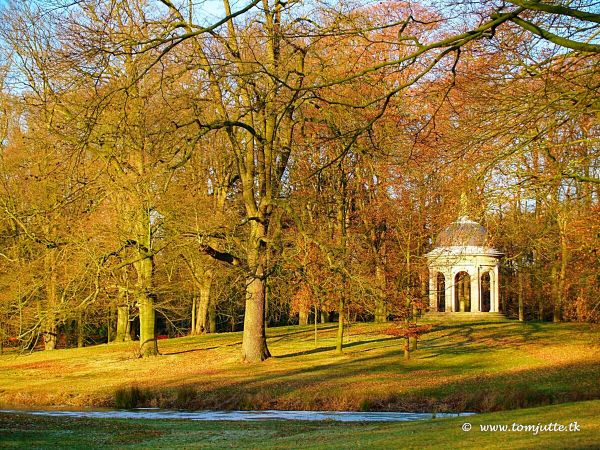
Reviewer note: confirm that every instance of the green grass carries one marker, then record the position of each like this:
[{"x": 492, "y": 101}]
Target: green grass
[
  {"x": 22, "y": 431},
  {"x": 477, "y": 366}
]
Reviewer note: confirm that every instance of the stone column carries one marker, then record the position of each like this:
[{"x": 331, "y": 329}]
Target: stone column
[
  {"x": 447, "y": 291},
  {"x": 452, "y": 288},
  {"x": 495, "y": 290},
  {"x": 475, "y": 289},
  {"x": 432, "y": 289},
  {"x": 492, "y": 289}
]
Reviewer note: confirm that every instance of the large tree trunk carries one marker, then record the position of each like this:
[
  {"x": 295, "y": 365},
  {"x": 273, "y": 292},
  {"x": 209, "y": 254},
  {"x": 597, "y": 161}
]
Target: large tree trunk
[
  {"x": 380, "y": 306},
  {"x": 341, "y": 216},
  {"x": 339, "y": 346},
  {"x": 555, "y": 295},
  {"x": 254, "y": 340},
  {"x": 1, "y": 335},
  {"x": 520, "y": 296},
  {"x": 324, "y": 316},
  {"x": 50, "y": 333},
  {"x": 303, "y": 315},
  {"x": 559, "y": 274},
  {"x": 201, "y": 324},
  {"x": 50, "y": 328},
  {"x": 212, "y": 317},
  {"x": 148, "y": 345},
  {"x": 80, "y": 329},
  {"x": 562, "y": 275},
  {"x": 123, "y": 325},
  {"x": 194, "y": 308},
  {"x": 379, "y": 248}
]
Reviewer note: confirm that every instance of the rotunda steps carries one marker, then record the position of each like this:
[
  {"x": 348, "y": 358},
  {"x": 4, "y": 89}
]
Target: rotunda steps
[{"x": 467, "y": 316}]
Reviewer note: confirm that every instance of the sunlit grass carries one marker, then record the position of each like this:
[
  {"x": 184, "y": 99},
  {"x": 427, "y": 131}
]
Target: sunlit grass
[{"x": 481, "y": 366}]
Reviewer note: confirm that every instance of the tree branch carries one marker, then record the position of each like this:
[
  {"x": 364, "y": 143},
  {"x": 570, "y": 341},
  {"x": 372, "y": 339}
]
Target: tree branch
[
  {"x": 554, "y": 38},
  {"x": 557, "y": 10}
]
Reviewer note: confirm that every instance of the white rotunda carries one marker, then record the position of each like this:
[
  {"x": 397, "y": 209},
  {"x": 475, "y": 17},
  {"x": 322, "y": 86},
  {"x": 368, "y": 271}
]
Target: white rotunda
[{"x": 463, "y": 271}]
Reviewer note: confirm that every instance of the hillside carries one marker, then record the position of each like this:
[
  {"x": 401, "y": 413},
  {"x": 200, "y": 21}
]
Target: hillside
[{"x": 476, "y": 366}]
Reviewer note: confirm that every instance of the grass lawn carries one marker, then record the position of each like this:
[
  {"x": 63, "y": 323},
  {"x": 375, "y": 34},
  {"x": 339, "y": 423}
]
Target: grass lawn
[
  {"x": 21, "y": 431},
  {"x": 477, "y": 366}
]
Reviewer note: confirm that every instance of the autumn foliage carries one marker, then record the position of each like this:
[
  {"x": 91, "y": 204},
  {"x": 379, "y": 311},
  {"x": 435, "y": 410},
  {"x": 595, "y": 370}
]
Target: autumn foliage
[{"x": 162, "y": 177}]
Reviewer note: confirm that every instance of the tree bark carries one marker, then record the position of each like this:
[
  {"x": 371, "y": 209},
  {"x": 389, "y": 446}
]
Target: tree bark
[
  {"x": 80, "y": 329},
  {"x": 123, "y": 325},
  {"x": 380, "y": 306},
  {"x": 303, "y": 316},
  {"x": 342, "y": 240},
  {"x": 520, "y": 297},
  {"x": 212, "y": 317},
  {"x": 412, "y": 343},
  {"x": 2, "y": 333},
  {"x": 50, "y": 328},
  {"x": 555, "y": 295},
  {"x": 194, "y": 308},
  {"x": 339, "y": 347},
  {"x": 201, "y": 324},
  {"x": 324, "y": 316},
  {"x": 148, "y": 344},
  {"x": 562, "y": 275},
  {"x": 254, "y": 340},
  {"x": 559, "y": 271}
]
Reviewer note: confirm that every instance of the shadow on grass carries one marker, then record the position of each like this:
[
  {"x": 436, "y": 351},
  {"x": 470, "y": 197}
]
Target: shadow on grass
[
  {"x": 484, "y": 393},
  {"x": 369, "y": 381},
  {"x": 275, "y": 335},
  {"x": 466, "y": 366},
  {"x": 332, "y": 347},
  {"x": 192, "y": 350},
  {"x": 470, "y": 338},
  {"x": 327, "y": 387}
]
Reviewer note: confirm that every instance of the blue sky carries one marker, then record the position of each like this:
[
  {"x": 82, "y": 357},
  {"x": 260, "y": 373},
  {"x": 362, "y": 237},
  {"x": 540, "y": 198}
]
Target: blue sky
[{"x": 206, "y": 11}]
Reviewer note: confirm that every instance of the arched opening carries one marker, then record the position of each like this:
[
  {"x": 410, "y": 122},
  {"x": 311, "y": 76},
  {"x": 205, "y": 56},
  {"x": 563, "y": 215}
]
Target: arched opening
[
  {"x": 462, "y": 293},
  {"x": 441, "y": 292},
  {"x": 485, "y": 292}
]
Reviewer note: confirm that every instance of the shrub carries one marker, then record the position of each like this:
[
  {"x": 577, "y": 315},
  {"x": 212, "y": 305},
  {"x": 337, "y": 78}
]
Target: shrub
[
  {"x": 185, "y": 395},
  {"x": 129, "y": 397}
]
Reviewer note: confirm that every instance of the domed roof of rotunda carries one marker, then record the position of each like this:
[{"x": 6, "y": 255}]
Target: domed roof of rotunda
[{"x": 462, "y": 233}]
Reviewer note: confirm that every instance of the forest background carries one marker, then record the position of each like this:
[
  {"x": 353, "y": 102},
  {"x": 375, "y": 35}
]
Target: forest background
[{"x": 163, "y": 172}]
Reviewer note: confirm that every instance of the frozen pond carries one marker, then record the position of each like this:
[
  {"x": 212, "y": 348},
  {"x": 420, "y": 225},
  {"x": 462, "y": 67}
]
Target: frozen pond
[{"x": 158, "y": 414}]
